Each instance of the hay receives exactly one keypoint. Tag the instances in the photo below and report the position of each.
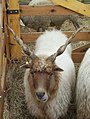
(15, 106)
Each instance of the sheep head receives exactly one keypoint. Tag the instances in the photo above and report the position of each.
(42, 78)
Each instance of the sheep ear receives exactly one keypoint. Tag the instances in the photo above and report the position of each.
(58, 69)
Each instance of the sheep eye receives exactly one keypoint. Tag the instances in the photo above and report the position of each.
(50, 75)
(32, 73)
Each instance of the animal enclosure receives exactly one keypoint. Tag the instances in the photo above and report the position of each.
(10, 14)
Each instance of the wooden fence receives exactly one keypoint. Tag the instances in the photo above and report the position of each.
(24, 10)
(3, 63)
(10, 13)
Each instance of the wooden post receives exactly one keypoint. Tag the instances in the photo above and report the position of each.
(1, 58)
(14, 23)
(1, 41)
(2, 64)
(6, 36)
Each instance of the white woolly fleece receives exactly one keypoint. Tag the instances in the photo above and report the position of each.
(47, 44)
(50, 41)
(83, 88)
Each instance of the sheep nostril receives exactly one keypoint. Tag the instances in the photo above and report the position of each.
(40, 94)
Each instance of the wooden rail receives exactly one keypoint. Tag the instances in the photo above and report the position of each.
(31, 37)
(46, 10)
(65, 8)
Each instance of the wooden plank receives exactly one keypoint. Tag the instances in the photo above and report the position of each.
(14, 23)
(6, 36)
(82, 48)
(46, 10)
(75, 6)
(1, 42)
(31, 37)
(77, 57)
(1, 62)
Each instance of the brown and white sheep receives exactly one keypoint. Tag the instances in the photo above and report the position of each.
(83, 88)
(48, 84)
(50, 76)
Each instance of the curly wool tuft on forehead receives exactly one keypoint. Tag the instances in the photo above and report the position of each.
(42, 64)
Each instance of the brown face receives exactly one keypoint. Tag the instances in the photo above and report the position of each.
(43, 80)
(43, 84)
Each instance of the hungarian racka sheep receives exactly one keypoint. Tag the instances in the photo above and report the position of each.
(49, 82)
(41, 23)
(83, 88)
(50, 75)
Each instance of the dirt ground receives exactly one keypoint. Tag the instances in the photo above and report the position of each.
(15, 106)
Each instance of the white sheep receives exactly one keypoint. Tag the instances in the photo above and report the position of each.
(48, 88)
(83, 88)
